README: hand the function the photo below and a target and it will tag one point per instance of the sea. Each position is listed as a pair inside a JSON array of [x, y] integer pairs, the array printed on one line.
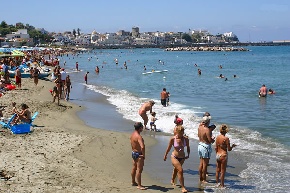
[[259, 126]]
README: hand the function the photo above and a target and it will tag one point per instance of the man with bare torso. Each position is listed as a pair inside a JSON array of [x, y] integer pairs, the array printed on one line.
[[147, 106], [204, 146], [263, 91], [163, 96], [138, 155]]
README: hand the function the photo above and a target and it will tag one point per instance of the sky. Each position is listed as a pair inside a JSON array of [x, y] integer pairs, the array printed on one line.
[[250, 20]]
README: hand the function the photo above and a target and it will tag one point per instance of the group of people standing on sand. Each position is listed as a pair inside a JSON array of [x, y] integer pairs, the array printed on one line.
[[179, 141], [63, 85]]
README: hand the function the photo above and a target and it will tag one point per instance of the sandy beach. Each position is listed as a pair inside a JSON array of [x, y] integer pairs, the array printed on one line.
[[62, 154]]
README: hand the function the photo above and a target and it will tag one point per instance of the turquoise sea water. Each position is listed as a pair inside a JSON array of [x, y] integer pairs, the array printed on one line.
[[260, 126]]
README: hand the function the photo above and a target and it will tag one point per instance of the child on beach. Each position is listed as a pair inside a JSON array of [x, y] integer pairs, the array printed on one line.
[[55, 94], [14, 109], [152, 121]]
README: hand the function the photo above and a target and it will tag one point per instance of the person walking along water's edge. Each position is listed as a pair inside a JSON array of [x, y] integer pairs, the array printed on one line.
[[179, 142]]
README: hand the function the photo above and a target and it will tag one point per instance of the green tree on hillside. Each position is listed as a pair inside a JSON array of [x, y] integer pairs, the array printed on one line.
[[33, 33], [186, 37], [3, 24], [4, 31], [19, 25], [196, 38]]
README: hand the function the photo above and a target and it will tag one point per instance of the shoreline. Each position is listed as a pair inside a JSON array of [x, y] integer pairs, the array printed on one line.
[[60, 154], [63, 154], [155, 167]]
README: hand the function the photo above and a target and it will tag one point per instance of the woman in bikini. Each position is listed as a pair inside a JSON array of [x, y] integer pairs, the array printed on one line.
[[222, 147], [178, 141]]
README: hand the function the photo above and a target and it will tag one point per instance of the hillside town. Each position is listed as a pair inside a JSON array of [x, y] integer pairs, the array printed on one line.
[[135, 37]]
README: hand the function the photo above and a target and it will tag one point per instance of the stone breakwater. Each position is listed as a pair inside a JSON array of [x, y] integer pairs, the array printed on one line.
[[215, 49]]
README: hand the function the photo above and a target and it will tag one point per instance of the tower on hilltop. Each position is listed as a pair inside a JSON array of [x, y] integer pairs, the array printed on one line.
[[135, 32]]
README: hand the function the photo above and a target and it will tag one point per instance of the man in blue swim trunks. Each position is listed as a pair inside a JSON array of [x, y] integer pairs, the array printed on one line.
[[204, 146], [138, 155]]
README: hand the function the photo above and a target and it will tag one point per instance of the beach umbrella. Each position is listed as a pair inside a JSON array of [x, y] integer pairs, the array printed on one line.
[[16, 53]]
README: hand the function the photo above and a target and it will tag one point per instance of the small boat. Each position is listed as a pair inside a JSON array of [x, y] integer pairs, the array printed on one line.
[[27, 74]]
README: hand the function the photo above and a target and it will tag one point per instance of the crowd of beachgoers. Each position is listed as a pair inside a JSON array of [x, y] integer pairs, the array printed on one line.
[[60, 90]]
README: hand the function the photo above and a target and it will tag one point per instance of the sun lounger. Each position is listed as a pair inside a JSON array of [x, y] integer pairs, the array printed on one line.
[[32, 118], [8, 124], [20, 128], [17, 128]]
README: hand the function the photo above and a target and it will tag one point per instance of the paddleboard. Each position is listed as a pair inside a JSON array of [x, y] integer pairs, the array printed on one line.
[[157, 71], [164, 70], [147, 72]]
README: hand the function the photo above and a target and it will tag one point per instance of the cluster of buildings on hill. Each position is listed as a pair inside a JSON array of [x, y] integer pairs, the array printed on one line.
[[122, 37]]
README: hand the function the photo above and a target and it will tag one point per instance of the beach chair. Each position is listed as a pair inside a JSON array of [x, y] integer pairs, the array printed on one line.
[[23, 127], [32, 118], [20, 128], [8, 124]]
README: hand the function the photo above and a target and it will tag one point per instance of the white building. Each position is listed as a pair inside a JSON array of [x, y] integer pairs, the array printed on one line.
[[21, 33], [83, 40], [95, 37], [144, 39], [19, 38], [202, 32], [61, 38], [229, 35], [109, 39]]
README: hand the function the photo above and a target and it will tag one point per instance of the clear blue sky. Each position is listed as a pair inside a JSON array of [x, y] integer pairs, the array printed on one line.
[[250, 20]]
